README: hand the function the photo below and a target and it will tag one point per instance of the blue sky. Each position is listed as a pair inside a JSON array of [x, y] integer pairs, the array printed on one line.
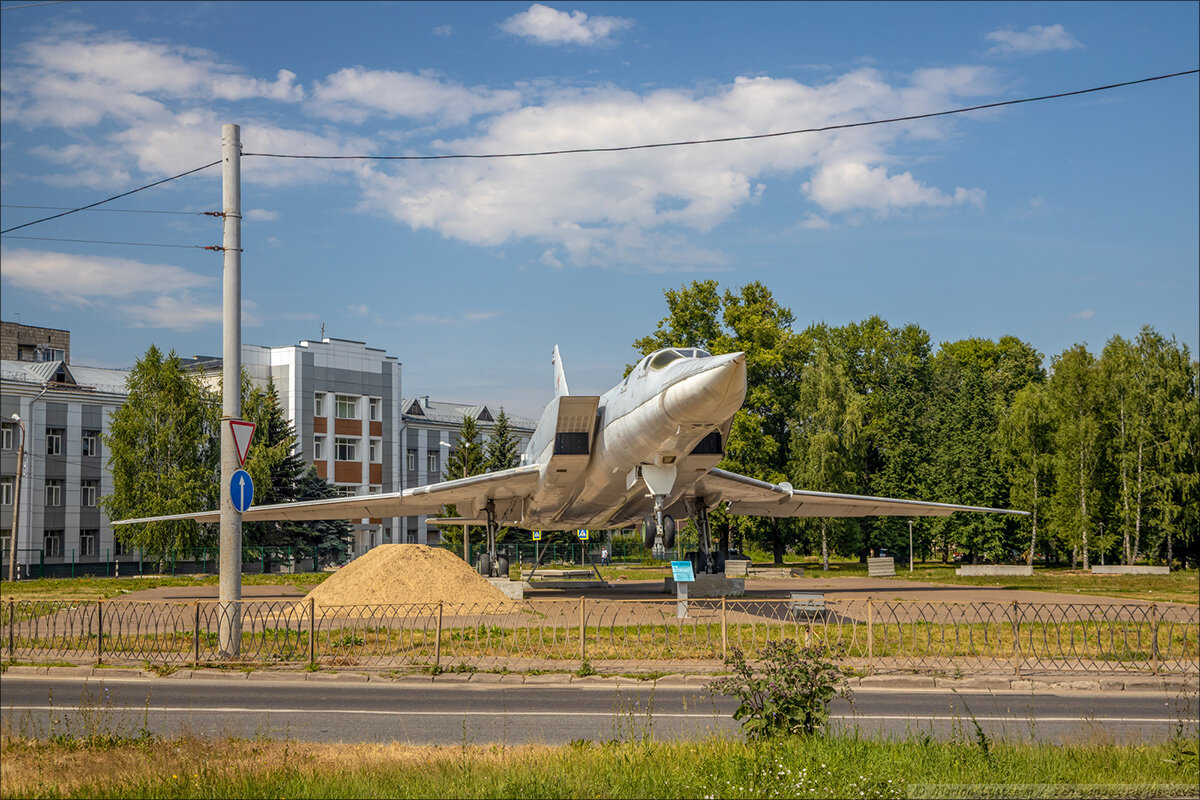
[[1057, 222]]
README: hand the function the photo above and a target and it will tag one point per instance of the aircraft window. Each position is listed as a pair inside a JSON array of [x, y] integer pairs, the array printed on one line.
[[694, 352], [662, 358]]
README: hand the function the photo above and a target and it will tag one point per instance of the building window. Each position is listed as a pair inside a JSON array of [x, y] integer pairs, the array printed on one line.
[[87, 542], [431, 461], [87, 493], [387, 535], [5, 543], [375, 406], [318, 448], [53, 493], [346, 491], [345, 449], [412, 460], [376, 451], [412, 537], [54, 437], [119, 547], [319, 404], [89, 442], [347, 407], [52, 543], [51, 354], [7, 436], [6, 491]]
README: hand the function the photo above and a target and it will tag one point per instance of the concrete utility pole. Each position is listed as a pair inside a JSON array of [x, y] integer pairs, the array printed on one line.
[[16, 513], [230, 595]]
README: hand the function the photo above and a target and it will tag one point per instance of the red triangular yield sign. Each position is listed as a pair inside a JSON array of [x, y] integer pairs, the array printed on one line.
[[243, 432]]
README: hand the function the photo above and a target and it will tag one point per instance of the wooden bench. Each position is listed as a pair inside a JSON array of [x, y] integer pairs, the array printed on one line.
[[810, 605]]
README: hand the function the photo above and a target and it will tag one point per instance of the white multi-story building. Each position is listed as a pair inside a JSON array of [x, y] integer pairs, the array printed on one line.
[[343, 398], [430, 430], [64, 411]]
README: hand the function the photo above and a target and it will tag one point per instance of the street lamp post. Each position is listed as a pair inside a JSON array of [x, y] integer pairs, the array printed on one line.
[[16, 514], [466, 535], [910, 548]]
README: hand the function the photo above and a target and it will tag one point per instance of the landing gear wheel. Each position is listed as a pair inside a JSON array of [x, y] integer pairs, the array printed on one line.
[[668, 532], [648, 526], [485, 565], [501, 567]]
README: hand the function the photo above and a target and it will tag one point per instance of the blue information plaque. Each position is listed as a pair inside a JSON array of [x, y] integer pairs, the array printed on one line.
[[682, 571]]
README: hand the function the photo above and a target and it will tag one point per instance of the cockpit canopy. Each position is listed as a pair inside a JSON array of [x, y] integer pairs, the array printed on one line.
[[661, 358]]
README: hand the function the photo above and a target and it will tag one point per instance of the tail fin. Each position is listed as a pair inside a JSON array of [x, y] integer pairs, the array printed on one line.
[[560, 378]]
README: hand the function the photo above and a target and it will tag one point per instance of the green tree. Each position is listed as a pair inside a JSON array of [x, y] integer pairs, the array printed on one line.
[[1026, 447], [330, 539], [825, 438], [1075, 401], [693, 319], [277, 470], [891, 368], [162, 453], [463, 461], [760, 440], [500, 449], [1126, 378]]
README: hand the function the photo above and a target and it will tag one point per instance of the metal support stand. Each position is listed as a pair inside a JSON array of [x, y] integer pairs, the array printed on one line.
[[681, 596], [705, 546]]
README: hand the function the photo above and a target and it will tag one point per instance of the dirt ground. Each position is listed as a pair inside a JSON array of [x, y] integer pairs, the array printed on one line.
[[756, 588]]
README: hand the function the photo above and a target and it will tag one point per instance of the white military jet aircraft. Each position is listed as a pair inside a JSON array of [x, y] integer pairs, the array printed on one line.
[[643, 452]]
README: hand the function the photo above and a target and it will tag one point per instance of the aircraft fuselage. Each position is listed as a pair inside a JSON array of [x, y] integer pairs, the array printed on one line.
[[668, 419]]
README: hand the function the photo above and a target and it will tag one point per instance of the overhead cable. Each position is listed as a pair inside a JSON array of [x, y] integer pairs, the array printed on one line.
[[746, 138], [110, 199], [98, 241], [119, 210]]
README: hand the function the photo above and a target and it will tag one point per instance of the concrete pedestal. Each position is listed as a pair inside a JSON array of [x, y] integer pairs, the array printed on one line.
[[707, 585]]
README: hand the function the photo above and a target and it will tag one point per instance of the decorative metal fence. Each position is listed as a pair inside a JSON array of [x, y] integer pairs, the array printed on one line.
[[877, 635]]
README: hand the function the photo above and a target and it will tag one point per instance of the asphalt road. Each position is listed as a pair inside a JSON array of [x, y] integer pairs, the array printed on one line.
[[428, 714]]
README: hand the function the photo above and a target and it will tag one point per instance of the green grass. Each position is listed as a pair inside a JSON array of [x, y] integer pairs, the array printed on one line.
[[839, 766], [92, 588]]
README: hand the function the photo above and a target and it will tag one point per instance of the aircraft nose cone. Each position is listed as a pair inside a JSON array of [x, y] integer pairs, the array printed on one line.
[[711, 396]]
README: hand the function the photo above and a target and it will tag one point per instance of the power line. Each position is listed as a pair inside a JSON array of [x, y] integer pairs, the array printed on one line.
[[34, 5], [750, 137], [118, 210], [98, 241], [110, 199]]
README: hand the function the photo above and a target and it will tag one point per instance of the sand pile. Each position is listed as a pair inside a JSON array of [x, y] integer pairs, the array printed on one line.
[[392, 574]]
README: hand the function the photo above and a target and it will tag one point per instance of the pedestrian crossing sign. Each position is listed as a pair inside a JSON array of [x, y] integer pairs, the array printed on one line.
[[537, 536], [583, 534]]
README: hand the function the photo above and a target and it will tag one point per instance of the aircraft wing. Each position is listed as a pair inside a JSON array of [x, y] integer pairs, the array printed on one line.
[[506, 485], [751, 497]]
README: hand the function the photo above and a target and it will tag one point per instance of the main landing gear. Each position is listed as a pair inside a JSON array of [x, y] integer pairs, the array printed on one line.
[[491, 564]]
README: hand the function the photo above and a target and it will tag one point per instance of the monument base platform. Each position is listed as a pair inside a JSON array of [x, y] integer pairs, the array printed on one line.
[[707, 585]]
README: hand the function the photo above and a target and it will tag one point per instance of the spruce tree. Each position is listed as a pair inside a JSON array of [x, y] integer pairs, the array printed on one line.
[[500, 450], [465, 460]]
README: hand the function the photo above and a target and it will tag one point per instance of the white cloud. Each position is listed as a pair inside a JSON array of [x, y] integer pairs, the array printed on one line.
[[174, 313], [1087, 313], [360, 309], [550, 259], [77, 77], [632, 208], [82, 279], [1034, 39], [443, 30], [844, 186], [355, 94], [548, 25], [262, 215]]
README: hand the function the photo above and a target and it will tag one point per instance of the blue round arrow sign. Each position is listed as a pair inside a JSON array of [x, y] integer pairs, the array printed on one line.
[[241, 490]]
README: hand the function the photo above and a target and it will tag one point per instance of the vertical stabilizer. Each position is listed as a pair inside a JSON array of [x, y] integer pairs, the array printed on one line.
[[560, 378]]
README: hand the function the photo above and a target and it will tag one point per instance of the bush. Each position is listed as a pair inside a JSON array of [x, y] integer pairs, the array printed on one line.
[[790, 692]]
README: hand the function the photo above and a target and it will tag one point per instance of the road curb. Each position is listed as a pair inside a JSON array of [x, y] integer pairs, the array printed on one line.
[[1039, 683]]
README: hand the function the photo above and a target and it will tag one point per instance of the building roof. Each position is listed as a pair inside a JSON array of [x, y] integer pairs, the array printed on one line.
[[67, 376], [422, 408]]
